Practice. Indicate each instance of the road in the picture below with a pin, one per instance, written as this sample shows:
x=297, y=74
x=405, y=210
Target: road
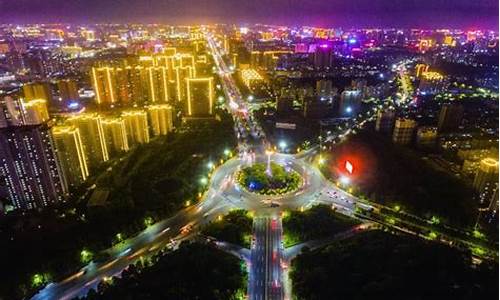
x=265, y=274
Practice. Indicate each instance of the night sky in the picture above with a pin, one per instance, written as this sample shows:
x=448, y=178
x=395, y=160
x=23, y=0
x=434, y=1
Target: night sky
x=466, y=14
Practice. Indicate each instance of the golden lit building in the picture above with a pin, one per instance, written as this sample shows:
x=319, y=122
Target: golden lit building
x=249, y=76
x=131, y=85
x=169, y=51
x=425, y=44
x=161, y=119
x=68, y=90
x=115, y=134
x=71, y=154
x=37, y=90
x=157, y=84
x=35, y=111
x=136, y=124
x=104, y=84
x=181, y=75
x=403, y=131
x=92, y=135
x=200, y=96
x=89, y=35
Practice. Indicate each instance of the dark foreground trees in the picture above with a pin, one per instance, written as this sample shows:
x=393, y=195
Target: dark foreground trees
x=378, y=265
x=194, y=271
x=320, y=221
x=235, y=227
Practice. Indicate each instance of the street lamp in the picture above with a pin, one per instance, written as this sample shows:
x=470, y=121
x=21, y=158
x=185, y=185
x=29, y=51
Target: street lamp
x=203, y=180
x=210, y=165
x=282, y=145
x=268, y=169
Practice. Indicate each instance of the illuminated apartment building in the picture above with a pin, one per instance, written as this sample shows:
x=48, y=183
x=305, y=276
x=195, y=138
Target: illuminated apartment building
x=136, y=124
x=104, y=84
x=37, y=90
x=30, y=174
x=200, y=97
x=34, y=112
x=68, y=90
x=161, y=119
x=131, y=85
x=181, y=75
x=92, y=136
x=157, y=84
x=115, y=134
x=71, y=154
x=403, y=131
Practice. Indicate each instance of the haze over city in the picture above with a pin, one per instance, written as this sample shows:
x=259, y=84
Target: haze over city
x=427, y=14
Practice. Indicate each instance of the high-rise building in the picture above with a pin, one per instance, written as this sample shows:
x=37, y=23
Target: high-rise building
x=115, y=134
x=256, y=59
x=182, y=74
x=157, y=85
x=403, y=131
x=323, y=57
x=426, y=137
x=10, y=111
x=350, y=103
x=68, y=90
x=161, y=117
x=315, y=108
x=200, y=97
x=132, y=85
x=34, y=111
x=104, y=84
x=17, y=112
x=29, y=169
x=37, y=90
x=324, y=89
x=450, y=117
x=92, y=136
x=385, y=121
x=284, y=105
x=486, y=181
x=136, y=124
x=71, y=154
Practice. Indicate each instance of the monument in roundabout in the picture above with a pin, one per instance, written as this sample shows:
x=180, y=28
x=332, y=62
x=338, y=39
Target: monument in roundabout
x=269, y=179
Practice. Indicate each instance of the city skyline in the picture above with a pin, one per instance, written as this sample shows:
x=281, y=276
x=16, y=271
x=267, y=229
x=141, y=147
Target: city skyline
x=424, y=14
